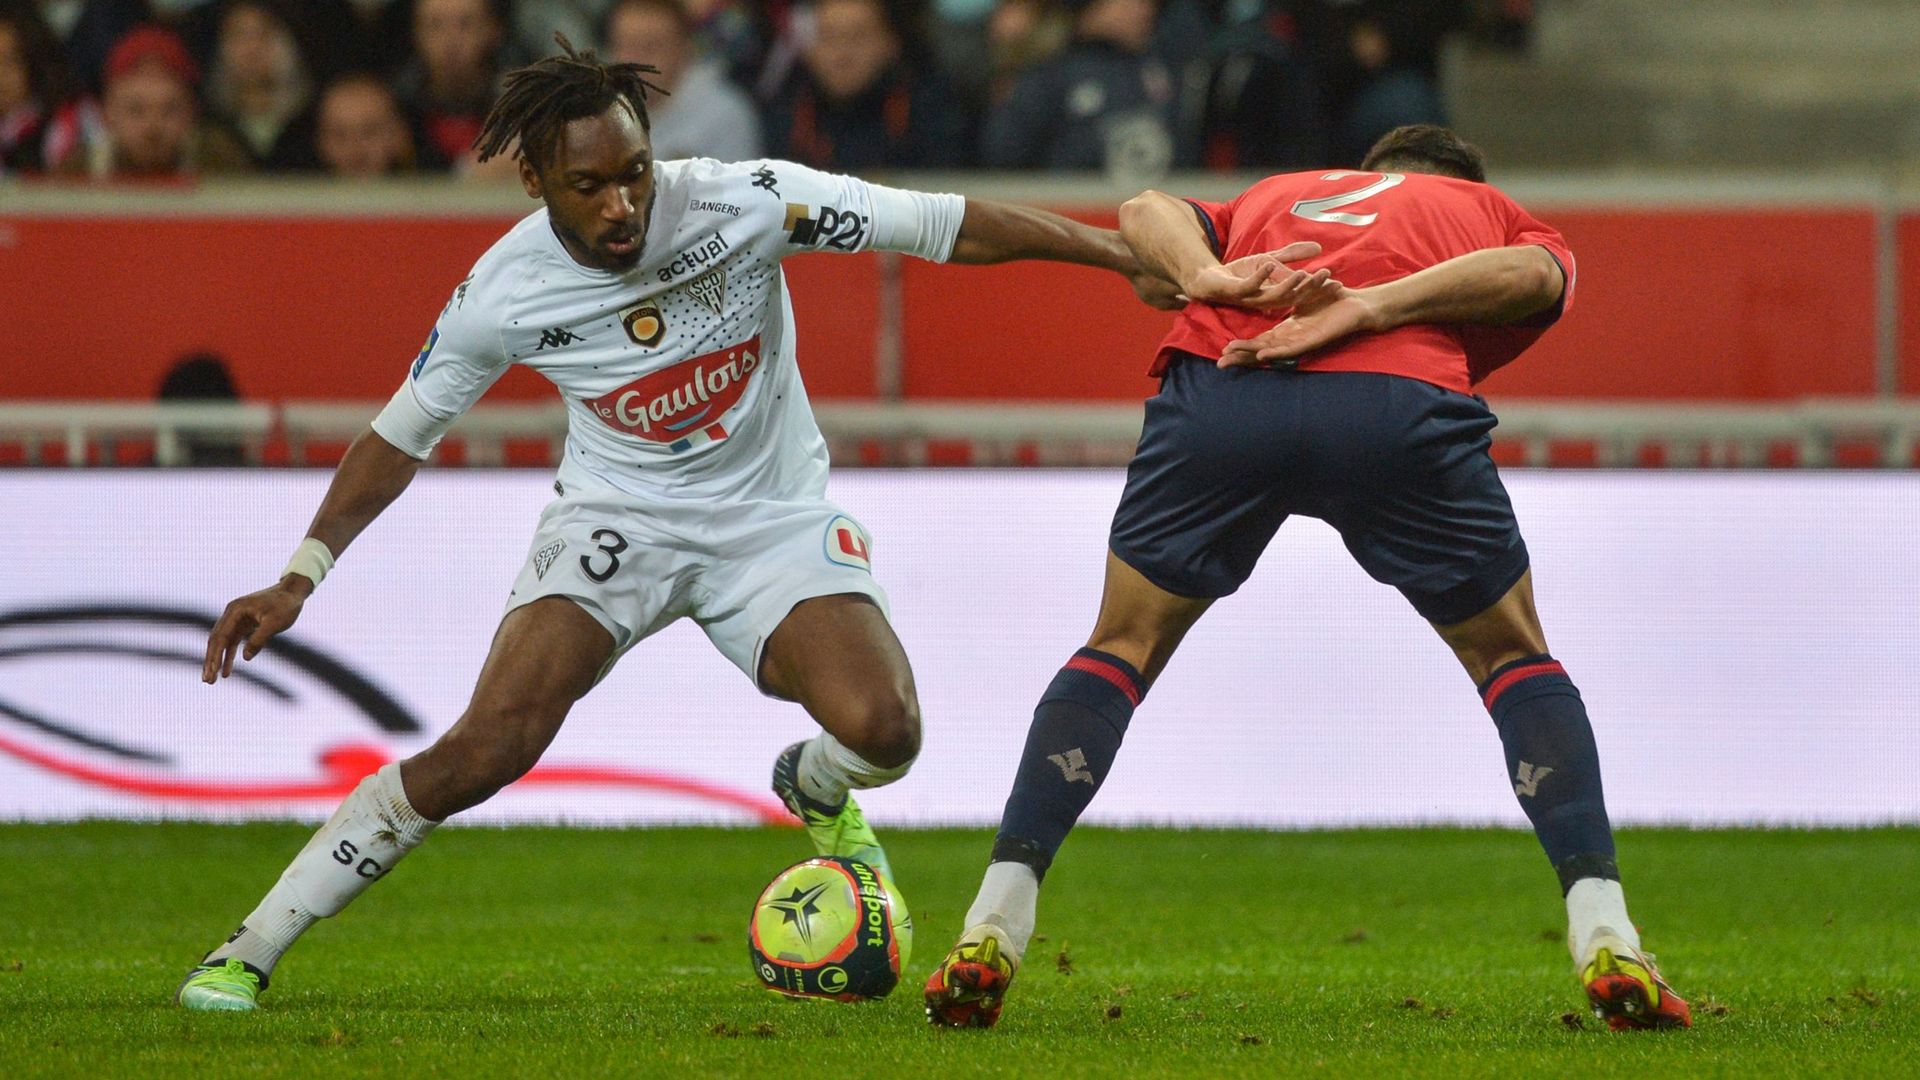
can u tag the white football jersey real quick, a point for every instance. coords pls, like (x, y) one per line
(679, 375)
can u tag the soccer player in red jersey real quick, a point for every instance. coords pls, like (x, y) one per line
(1356, 409)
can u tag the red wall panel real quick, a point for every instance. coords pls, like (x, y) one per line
(1680, 304)
(1723, 304)
(1760, 304)
(316, 308)
(1909, 325)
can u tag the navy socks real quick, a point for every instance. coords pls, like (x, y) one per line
(1076, 732)
(1553, 765)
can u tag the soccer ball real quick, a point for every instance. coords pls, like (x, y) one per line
(830, 928)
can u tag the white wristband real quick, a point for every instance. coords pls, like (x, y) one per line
(310, 560)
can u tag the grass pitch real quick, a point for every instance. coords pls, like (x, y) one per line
(558, 952)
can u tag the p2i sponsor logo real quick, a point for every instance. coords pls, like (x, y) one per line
(842, 230)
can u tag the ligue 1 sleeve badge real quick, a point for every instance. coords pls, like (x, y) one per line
(644, 324)
(848, 544)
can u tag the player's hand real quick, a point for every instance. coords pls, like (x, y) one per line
(1157, 292)
(1261, 281)
(252, 621)
(1325, 314)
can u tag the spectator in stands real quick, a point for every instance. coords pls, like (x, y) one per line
(453, 79)
(1266, 105)
(857, 104)
(40, 122)
(360, 131)
(359, 35)
(259, 84)
(150, 119)
(534, 23)
(1106, 102)
(1022, 34)
(199, 378)
(703, 115)
(737, 34)
(1394, 91)
(87, 31)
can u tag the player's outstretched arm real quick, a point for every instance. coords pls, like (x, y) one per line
(371, 476)
(1165, 236)
(992, 232)
(1494, 286)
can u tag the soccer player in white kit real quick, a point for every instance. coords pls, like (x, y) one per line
(650, 294)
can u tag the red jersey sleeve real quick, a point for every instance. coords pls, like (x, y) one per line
(1216, 219)
(1490, 348)
(1524, 228)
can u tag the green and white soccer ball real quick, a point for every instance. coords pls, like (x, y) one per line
(830, 928)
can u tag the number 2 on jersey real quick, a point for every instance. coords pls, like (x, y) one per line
(1326, 209)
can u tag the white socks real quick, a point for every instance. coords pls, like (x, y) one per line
(1009, 898)
(371, 831)
(828, 769)
(1594, 905)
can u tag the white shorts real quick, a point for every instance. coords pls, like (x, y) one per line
(737, 569)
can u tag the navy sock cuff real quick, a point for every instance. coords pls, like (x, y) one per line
(1586, 866)
(1102, 682)
(1523, 679)
(1014, 849)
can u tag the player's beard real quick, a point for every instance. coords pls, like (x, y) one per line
(597, 248)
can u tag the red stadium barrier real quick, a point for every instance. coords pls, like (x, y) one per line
(1767, 304)
(1907, 271)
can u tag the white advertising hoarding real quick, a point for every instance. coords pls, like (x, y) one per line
(1748, 645)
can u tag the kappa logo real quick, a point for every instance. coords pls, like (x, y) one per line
(1529, 779)
(556, 337)
(545, 556)
(643, 324)
(710, 289)
(1073, 766)
(764, 179)
(460, 292)
(848, 544)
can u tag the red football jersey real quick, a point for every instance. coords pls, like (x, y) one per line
(1373, 227)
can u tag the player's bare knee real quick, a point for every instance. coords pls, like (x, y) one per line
(886, 731)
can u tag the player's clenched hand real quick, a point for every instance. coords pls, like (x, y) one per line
(252, 621)
(1325, 314)
(1261, 281)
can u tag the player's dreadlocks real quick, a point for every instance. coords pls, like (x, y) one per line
(540, 99)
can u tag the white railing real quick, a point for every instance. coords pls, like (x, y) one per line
(1812, 433)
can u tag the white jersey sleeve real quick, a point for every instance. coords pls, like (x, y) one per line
(463, 356)
(830, 212)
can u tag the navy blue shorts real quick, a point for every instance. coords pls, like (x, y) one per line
(1398, 466)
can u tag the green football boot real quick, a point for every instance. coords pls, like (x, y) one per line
(835, 830)
(224, 986)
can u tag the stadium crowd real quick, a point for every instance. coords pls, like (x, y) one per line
(167, 89)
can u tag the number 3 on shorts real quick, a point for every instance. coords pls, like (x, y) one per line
(611, 545)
